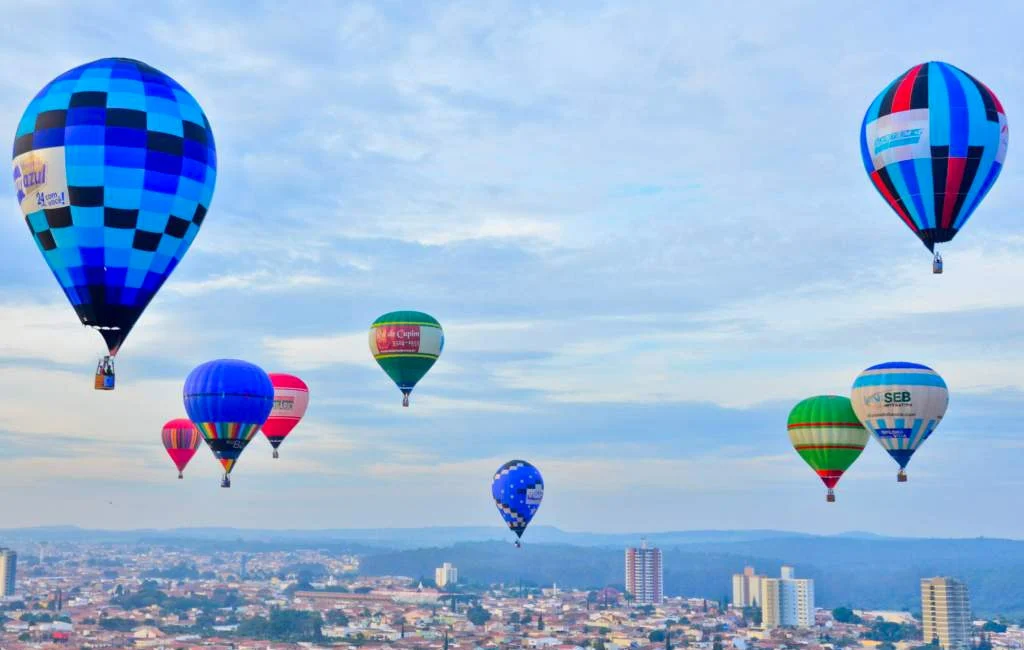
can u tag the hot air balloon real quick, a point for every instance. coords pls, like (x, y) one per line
(933, 143)
(114, 168)
(825, 432)
(291, 397)
(228, 400)
(181, 439)
(518, 489)
(406, 344)
(901, 403)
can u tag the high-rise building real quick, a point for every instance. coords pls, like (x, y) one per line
(746, 588)
(946, 610)
(787, 601)
(644, 574)
(446, 574)
(8, 569)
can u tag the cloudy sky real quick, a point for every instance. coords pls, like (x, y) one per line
(645, 227)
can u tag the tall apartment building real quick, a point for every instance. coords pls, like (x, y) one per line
(746, 588)
(946, 613)
(8, 570)
(644, 574)
(446, 574)
(787, 601)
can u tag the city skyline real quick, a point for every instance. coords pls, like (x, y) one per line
(642, 255)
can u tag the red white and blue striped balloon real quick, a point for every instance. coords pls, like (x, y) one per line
(933, 143)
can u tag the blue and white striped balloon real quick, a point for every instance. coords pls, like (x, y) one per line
(900, 403)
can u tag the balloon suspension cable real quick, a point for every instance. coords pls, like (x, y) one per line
(831, 496)
(901, 477)
(276, 454)
(180, 475)
(226, 481)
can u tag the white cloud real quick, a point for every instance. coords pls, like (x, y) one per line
(256, 281)
(309, 352)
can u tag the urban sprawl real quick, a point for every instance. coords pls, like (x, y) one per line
(138, 596)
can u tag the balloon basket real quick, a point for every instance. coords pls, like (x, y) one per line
(937, 263)
(901, 477)
(225, 482)
(519, 544)
(405, 400)
(104, 379)
(276, 455)
(830, 497)
(180, 475)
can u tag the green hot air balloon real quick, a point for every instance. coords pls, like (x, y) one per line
(828, 435)
(406, 344)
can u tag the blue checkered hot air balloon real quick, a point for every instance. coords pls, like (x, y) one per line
(114, 168)
(518, 489)
(933, 143)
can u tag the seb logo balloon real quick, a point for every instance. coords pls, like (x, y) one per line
(900, 403)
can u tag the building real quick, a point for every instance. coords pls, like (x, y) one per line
(445, 575)
(8, 570)
(946, 613)
(787, 601)
(644, 578)
(746, 588)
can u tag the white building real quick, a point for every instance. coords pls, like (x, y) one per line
(445, 575)
(644, 578)
(787, 601)
(746, 588)
(946, 613)
(8, 570)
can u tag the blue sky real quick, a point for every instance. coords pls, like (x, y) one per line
(645, 227)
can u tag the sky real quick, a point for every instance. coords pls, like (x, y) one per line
(645, 227)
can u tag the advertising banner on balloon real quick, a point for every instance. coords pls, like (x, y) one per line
(40, 180)
(899, 136)
(396, 339)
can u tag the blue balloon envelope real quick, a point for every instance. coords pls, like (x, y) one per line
(228, 400)
(518, 489)
(114, 168)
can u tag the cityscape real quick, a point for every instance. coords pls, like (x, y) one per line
(146, 595)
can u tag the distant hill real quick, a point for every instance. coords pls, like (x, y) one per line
(393, 537)
(870, 573)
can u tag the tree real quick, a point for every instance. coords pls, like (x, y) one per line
(477, 615)
(882, 630)
(285, 625)
(994, 626)
(885, 645)
(845, 615)
(984, 643)
(717, 645)
(752, 615)
(656, 636)
(514, 618)
(336, 617)
(540, 622)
